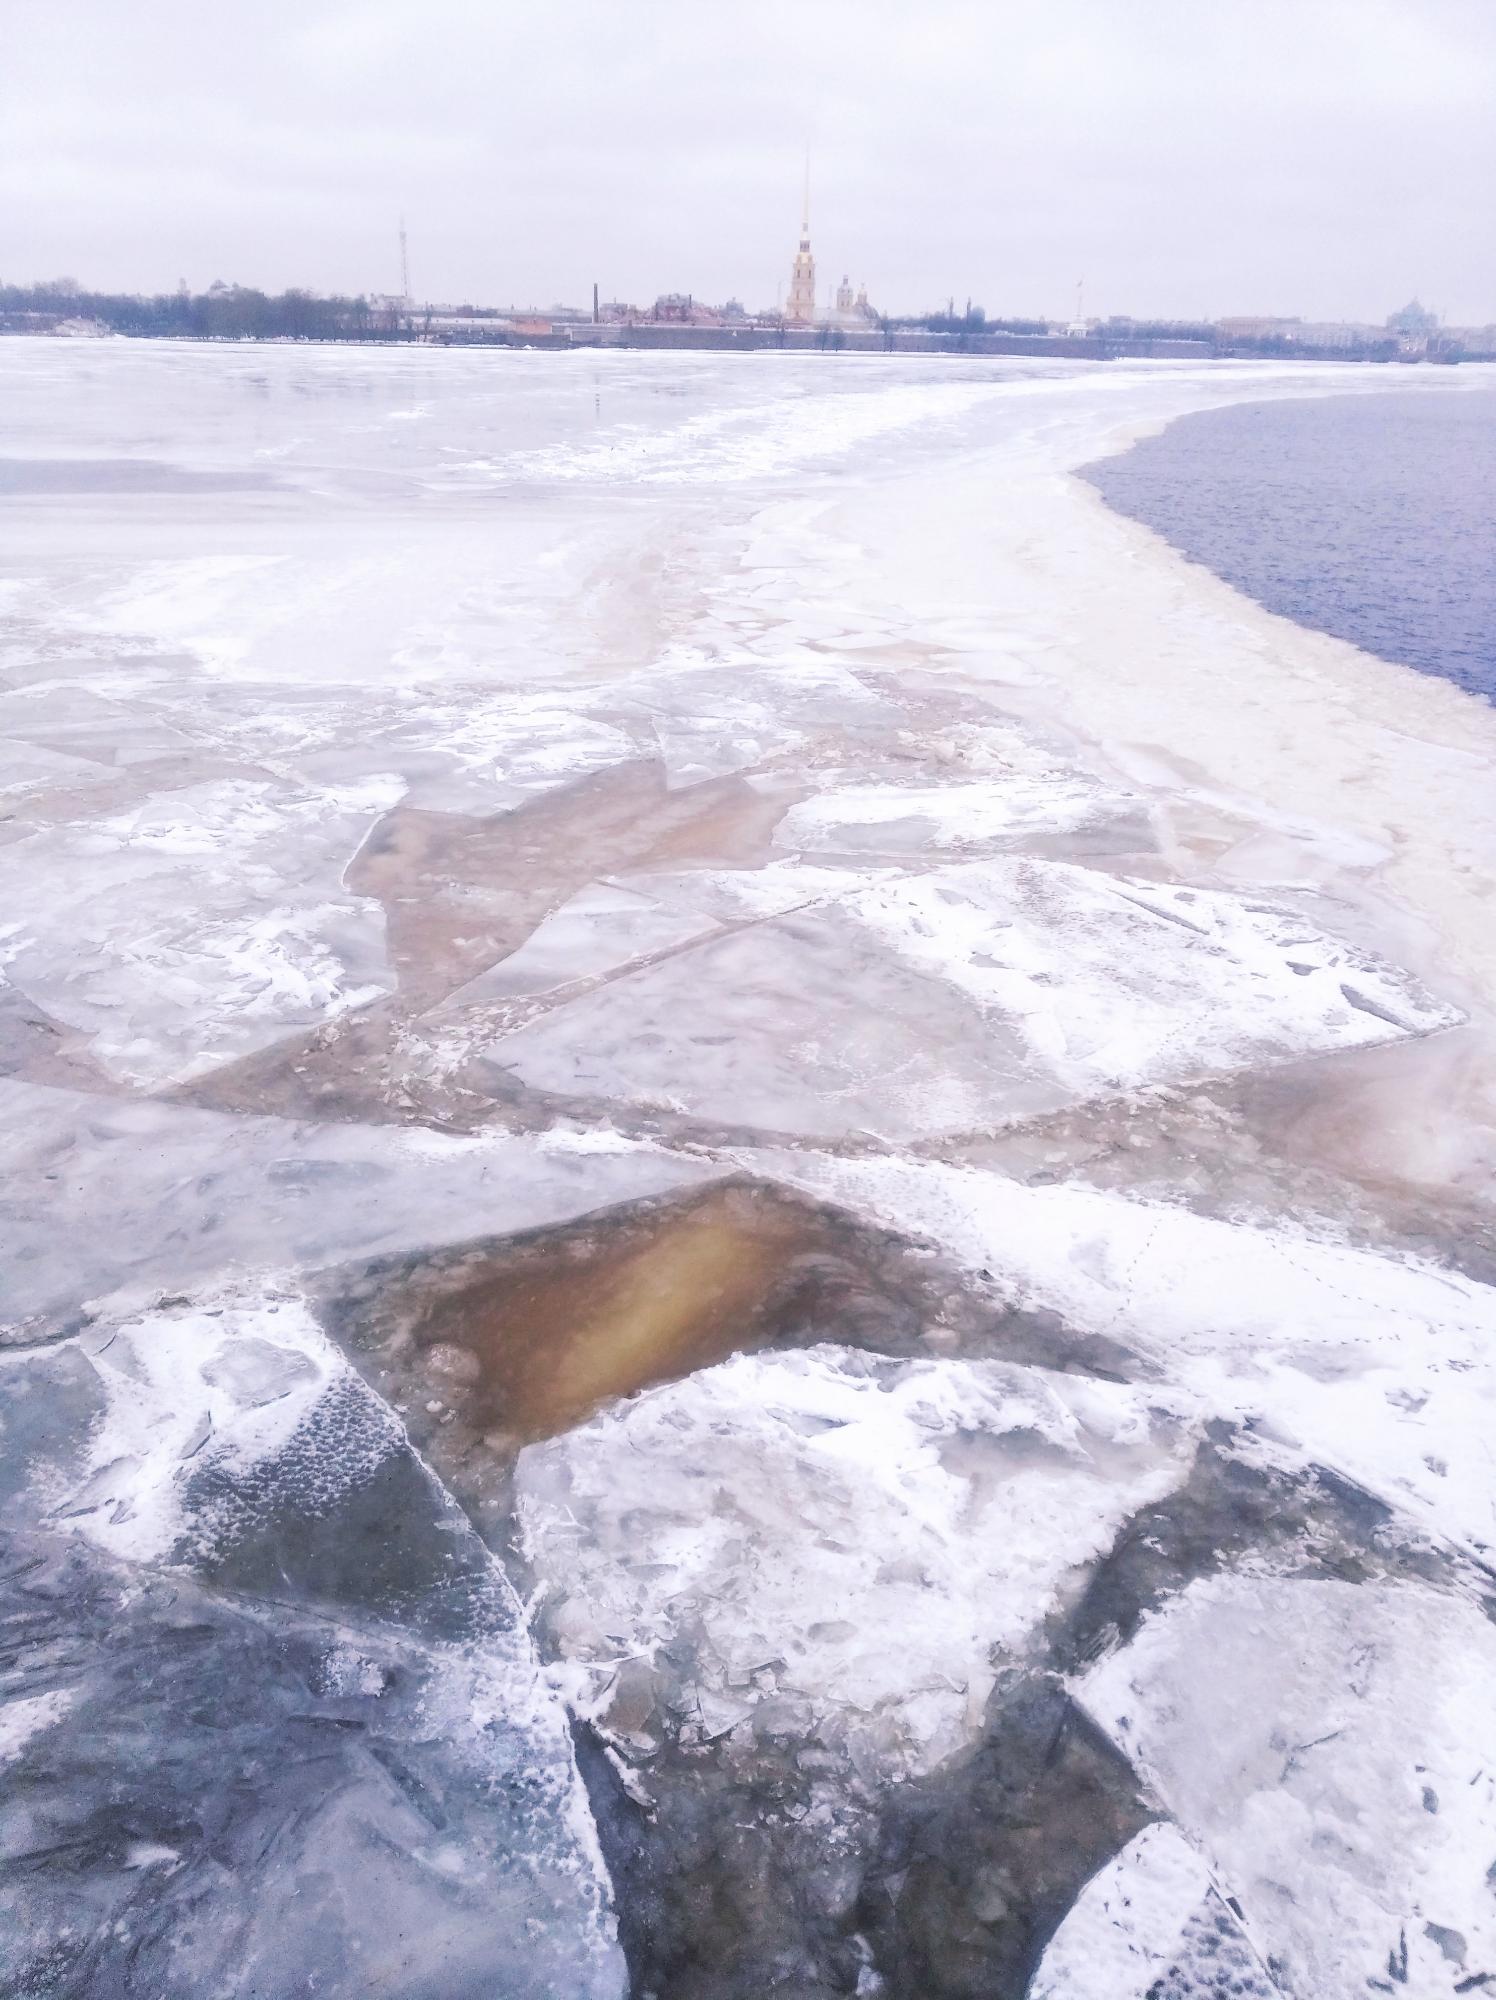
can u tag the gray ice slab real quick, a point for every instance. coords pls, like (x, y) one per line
(908, 1005)
(269, 1713)
(796, 1025)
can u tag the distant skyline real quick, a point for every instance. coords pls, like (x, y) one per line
(1327, 158)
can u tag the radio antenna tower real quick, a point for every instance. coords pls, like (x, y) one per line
(404, 265)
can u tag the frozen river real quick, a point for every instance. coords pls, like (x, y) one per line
(746, 1192)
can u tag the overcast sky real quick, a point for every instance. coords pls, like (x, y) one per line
(1185, 157)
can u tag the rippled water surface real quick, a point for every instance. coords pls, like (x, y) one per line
(1367, 516)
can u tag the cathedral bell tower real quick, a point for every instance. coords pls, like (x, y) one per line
(801, 310)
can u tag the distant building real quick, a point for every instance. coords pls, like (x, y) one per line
(851, 309)
(1257, 326)
(801, 309)
(1414, 320)
(1334, 334)
(1315, 336)
(682, 309)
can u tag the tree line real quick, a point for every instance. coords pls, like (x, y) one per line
(222, 312)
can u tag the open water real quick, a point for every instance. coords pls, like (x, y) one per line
(1371, 517)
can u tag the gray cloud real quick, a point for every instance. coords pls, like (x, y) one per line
(1319, 156)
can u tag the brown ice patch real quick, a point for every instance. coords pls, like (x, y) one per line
(462, 891)
(116, 788)
(527, 1338)
(546, 1342)
(485, 1347)
(35, 1047)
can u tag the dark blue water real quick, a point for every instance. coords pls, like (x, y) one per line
(1369, 516)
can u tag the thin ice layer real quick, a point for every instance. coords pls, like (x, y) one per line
(1331, 1747)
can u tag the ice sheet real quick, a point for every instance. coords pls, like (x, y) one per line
(909, 1005)
(1330, 1746)
(1379, 1366)
(773, 1521)
(399, 738)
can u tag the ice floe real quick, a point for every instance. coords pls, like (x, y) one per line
(768, 1524)
(912, 1004)
(1376, 1365)
(254, 1650)
(1331, 1748)
(198, 926)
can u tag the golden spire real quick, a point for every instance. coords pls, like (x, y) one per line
(802, 300)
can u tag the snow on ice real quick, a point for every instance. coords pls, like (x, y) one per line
(456, 800)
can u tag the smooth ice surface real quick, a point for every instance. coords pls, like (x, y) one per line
(776, 1519)
(265, 1690)
(959, 998)
(1331, 1747)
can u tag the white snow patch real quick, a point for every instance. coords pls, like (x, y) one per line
(1115, 982)
(24, 1716)
(726, 447)
(150, 1854)
(785, 1515)
(223, 1385)
(1332, 1747)
(1383, 1367)
(1130, 1925)
(944, 816)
